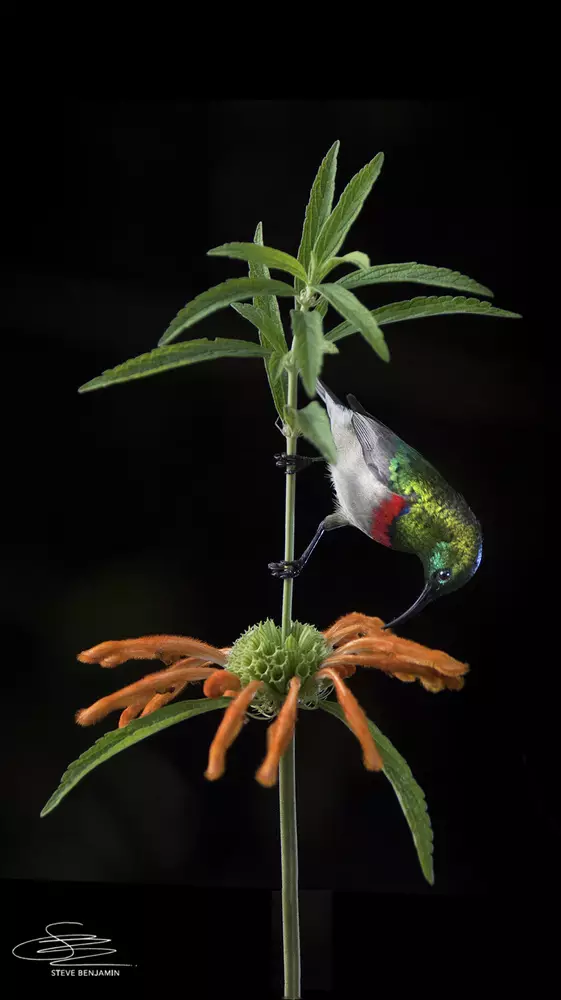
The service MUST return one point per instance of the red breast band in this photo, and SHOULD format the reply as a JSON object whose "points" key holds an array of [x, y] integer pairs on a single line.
{"points": [[384, 516]]}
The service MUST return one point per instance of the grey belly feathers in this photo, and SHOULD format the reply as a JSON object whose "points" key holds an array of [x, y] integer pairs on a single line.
{"points": [[358, 490]]}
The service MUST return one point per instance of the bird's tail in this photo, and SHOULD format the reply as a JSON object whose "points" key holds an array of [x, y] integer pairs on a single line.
{"points": [[325, 394]]}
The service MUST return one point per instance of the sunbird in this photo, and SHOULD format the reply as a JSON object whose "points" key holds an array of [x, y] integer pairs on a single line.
{"points": [[391, 493]]}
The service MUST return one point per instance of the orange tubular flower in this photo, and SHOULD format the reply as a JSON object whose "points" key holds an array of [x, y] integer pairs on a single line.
{"points": [[279, 735], [268, 678]]}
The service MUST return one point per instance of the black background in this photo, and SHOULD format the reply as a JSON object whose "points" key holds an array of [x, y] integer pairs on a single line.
{"points": [[156, 506]]}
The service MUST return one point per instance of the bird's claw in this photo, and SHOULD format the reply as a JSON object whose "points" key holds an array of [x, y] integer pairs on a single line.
{"points": [[293, 463], [286, 570]]}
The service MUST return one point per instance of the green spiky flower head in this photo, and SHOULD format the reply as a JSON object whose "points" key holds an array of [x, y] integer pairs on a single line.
{"points": [[260, 654]]}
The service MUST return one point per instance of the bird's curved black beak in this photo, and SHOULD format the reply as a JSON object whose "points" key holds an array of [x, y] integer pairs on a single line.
{"points": [[424, 598]]}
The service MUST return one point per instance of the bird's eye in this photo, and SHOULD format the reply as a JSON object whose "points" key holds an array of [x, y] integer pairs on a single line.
{"points": [[442, 575]]}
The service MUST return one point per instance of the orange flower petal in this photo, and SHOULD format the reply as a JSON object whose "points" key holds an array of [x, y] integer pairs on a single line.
{"points": [[151, 647], [407, 652], [344, 665], [356, 718], [435, 684], [391, 664], [387, 663], [220, 681], [407, 678], [142, 691], [129, 714], [402, 658], [161, 700], [228, 729], [352, 626], [279, 735]]}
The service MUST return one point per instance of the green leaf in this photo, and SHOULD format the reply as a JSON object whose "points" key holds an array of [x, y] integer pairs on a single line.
{"points": [[319, 206], [278, 382], [410, 795], [422, 274], [258, 254], [431, 305], [233, 290], [173, 356], [119, 739], [357, 315], [356, 257], [267, 303], [336, 227], [308, 347], [313, 423], [264, 324], [277, 378], [277, 365]]}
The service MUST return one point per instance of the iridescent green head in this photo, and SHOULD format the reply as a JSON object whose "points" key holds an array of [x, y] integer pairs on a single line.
{"points": [[450, 556], [450, 564]]}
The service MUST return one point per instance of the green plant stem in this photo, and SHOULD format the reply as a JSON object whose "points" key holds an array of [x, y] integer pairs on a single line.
{"points": [[287, 781], [289, 869], [289, 516]]}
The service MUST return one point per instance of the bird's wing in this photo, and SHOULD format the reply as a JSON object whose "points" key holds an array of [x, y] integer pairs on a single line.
{"points": [[357, 407], [379, 444]]}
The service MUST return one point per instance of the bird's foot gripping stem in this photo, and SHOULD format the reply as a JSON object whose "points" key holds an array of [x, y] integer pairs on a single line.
{"points": [[294, 463], [286, 570]]}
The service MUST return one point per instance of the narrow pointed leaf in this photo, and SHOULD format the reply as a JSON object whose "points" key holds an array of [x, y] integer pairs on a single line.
{"points": [[319, 206], [267, 303], [356, 257], [336, 227], [422, 274], [431, 305], [277, 377], [119, 739], [233, 290], [260, 255], [313, 423], [277, 367], [264, 324], [278, 382], [174, 356], [308, 347], [410, 795], [357, 315]]}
